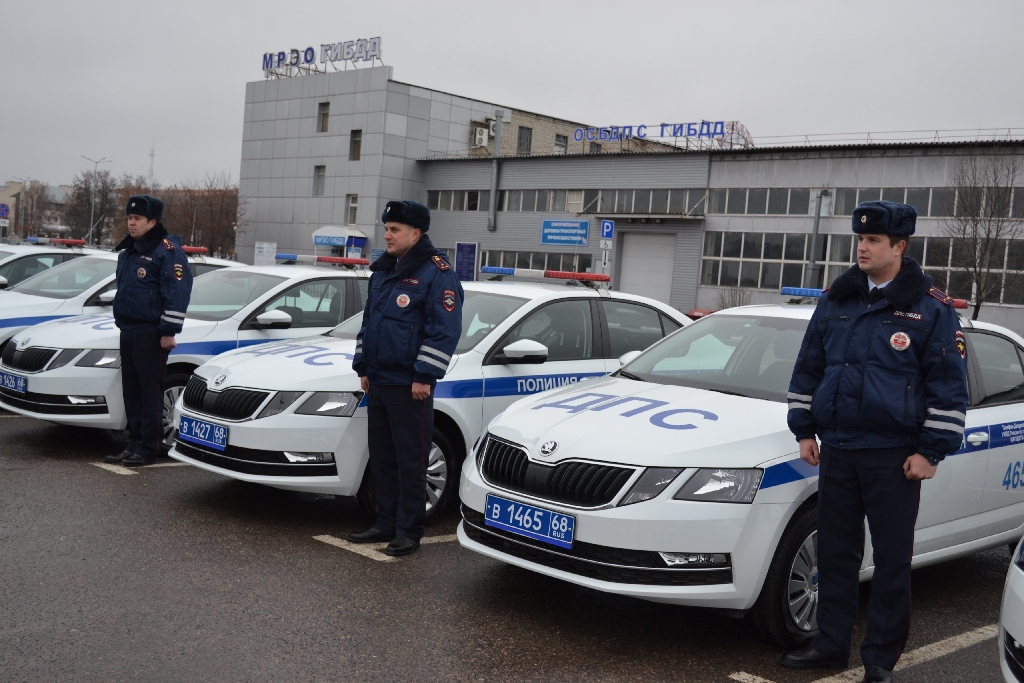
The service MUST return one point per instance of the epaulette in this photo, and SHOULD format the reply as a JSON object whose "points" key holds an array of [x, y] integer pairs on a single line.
{"points": [[440, 262], [825, 290], [168, 245], [941, 296]]}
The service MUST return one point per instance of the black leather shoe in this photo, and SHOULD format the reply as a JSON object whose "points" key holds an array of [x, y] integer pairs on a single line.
{"points": [[116, 459], [371, 535], [809, 658], [876, 674], [136, 460], [402, 545]]}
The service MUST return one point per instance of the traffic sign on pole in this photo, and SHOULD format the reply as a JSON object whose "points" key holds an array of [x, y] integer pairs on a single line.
{"points": [[5, 211], [607, 230]]}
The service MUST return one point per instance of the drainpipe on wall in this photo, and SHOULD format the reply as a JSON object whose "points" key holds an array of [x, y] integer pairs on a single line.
{"points": [[492, 224], [811, 276]]}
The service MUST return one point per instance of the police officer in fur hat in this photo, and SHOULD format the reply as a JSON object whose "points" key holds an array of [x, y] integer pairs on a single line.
{"points": [[154, 284], [411, 325], [881, 380]]}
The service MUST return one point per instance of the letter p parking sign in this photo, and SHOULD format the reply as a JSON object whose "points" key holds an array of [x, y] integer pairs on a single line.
{"points": [[607, 230]]}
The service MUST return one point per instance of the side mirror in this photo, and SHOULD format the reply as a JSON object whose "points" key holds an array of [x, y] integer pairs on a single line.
{"points": [[107, 298], [628, 357], [272, 320], [3, 282], [525, 351]]}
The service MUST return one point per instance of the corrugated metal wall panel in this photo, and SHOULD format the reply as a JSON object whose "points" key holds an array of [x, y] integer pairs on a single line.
{"points": [[687, 267]]}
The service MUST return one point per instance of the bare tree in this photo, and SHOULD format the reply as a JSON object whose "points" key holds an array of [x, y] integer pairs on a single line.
{"points": [[204, 212], [85, 188], [980, 224], [732, 297], [33, 201]]}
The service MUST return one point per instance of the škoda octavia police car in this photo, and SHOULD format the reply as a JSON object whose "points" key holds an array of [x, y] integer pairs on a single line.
{"points": [[676, 479], [68, 370], [292, 415]]}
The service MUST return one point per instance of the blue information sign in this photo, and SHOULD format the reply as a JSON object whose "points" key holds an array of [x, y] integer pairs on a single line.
{"points": [[375, 254], [465, 261], [565, 233], [607, 230]]}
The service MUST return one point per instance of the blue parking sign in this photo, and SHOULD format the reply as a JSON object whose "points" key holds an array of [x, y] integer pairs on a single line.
{"points": [[607, 230]]}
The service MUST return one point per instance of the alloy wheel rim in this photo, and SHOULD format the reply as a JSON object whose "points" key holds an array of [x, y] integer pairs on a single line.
{"points": [[171, 395], [802, 595], [437, 476]]}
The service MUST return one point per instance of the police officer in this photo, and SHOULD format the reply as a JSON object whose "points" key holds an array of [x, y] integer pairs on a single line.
{"points": [[411, 325], [881, 379], [154, 284]]}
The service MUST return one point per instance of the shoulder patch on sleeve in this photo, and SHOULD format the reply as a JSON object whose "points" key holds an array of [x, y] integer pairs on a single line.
{"points": [[941, 296], [168, 245], [179, 271], [449, 300], [440, 262], [960, 343]]}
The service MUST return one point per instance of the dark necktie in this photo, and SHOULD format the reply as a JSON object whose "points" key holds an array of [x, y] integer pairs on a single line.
{"points": [[874, 295]]}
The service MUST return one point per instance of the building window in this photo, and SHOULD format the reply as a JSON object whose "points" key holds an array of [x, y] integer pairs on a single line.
{"points": [[355, 145], [319, 176], [525, 140], [770, 260], [322, 114], [561, 144], [351, 208], [595, 148], [472, 201], [558, 200], [573, 263]]}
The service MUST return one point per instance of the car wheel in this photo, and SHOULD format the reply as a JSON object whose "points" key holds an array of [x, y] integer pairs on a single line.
{"points": [[174, 384], [442, 478], [786, 612]]}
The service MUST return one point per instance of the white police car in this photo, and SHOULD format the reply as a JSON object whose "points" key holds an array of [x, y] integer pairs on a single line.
{"points": [[292, 415], [676, 479], [67, 370], [21, 261]]}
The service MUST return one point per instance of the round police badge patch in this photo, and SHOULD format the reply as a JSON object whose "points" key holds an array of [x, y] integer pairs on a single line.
{"points": [[448, 299], [961, 344], [900, 341], [141, 272], [402, 300]]}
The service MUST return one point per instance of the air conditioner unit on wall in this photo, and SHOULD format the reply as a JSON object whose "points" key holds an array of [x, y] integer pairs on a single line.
{"points": [[480, 137]]}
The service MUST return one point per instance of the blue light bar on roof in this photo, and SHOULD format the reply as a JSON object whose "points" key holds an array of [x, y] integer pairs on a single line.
{"points": [[800, 291]]}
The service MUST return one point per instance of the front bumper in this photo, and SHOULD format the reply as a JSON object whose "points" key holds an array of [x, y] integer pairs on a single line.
{"points": [[609, 544], [255, 451], [47, 397], [1011, 627]]}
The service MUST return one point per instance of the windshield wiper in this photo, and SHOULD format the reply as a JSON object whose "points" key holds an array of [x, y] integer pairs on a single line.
{"points": [[627, 375], [723, 391]]}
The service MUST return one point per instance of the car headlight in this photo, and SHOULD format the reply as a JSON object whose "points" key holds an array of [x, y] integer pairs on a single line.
{"points": [[721, 486], [101, 358], [280, 403], [333, 403], [63, 358], [651, 483]]}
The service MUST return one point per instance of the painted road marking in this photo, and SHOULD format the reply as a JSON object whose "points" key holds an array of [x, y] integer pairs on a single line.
{"points": [[919, 656], [121, 469], [374, 551]]}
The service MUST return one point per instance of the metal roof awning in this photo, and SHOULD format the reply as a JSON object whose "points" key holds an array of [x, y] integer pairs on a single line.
{"points": [[337, 236]]}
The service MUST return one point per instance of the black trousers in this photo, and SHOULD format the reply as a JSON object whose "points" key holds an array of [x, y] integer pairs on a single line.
{"points": [[400, 432], [143, 363], [852, 484]]}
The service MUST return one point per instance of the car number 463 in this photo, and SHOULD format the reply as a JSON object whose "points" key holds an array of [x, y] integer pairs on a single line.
{"points": [[1014, 477]]}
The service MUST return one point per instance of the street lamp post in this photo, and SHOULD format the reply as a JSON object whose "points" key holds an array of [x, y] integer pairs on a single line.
{"points": [[92, 194]]}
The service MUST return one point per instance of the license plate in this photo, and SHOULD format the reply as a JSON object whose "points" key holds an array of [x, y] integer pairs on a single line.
{"points": [[203, 433], [14, 382], [533, 522]]}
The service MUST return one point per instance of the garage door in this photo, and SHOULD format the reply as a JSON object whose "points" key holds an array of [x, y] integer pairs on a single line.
{"points": [[647, 262]]}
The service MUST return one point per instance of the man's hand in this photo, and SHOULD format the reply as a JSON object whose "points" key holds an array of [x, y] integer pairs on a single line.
{"points": [[364, 382], [917, 468], [420, 391], [809, 451], [167, 343]]}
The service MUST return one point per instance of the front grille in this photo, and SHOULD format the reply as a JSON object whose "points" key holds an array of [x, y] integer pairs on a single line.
{"points": [[49, 404], [1014, 654], [30, 360], [230, 404], [574, 483], [254, 461], [616, 565]]}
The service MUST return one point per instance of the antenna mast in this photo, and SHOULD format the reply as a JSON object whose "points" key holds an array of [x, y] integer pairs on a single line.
{"points": [[152, 155]]}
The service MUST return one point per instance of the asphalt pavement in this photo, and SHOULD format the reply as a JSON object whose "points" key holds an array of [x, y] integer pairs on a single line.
{"points": [[175, 574]]}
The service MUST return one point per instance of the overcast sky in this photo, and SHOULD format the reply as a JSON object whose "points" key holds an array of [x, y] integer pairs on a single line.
{"points": [[109, 79]]}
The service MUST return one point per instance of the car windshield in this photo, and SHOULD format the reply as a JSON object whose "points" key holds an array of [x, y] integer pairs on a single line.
{"points": [[5, 254], [736, 354], [68, 279], [481, 313], [222, 293]]}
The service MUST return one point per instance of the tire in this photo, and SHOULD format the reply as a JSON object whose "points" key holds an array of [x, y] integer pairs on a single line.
{"points": [[785, 613], [442, 478], [174, 384]]}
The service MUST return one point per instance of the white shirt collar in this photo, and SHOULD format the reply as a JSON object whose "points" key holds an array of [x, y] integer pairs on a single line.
{"points": [[872, 285]]}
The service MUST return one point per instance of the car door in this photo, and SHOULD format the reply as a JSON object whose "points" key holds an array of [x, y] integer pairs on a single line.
{"points": [[315, 307], [995, 427], [569, 329], [630, 326]]}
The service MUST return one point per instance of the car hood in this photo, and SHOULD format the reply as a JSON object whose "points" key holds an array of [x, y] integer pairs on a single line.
{"points": [[317, 363], [18, 310], [95, 332], [617, 420]]}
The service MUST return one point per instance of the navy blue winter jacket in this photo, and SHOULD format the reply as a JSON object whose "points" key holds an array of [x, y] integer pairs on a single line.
{"points": [[885, 375], [154, 284], [412, 320]]}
